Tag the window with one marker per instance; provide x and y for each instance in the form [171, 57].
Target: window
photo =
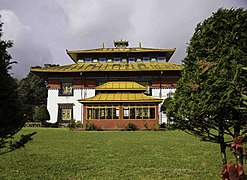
[65, 112]
[66, 89]
[138, 111]
[102, 112]
[146, 59]
[115, 113]
[126, 112]
[161, 59]
[102, 60]
[88, 60]
[116, 59]
[89, 113]
[131, 59]
[145, 113]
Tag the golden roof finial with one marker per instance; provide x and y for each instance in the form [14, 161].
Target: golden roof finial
[121, 43]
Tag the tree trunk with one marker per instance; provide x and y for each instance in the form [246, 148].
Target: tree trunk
[239, 154]
[223, 153]
[240, 157]
[222, 144]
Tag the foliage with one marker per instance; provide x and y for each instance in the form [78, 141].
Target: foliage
[244, 96]
[130, 127]
[165, 104]
[33, 92]
[78, 124]
[41, 113]
[163, 125]
[11, 119]
[145, 124]
[92, 127]
[74, 124]
[209, 91]
[164, 110]
[112, 155]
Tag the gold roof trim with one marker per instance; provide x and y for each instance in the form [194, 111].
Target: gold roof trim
[106, 67]
[121, 97]
[121, 85]
[112, 50]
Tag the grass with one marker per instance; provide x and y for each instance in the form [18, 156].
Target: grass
[64, 154]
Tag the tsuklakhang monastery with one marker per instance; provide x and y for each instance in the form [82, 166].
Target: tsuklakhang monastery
[110, 87]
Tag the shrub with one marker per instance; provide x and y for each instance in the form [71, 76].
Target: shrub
[78, 124]
[163, 125]
[92, 127]
[41, 114]
[72, 124]
[131, 127]
[145, 124]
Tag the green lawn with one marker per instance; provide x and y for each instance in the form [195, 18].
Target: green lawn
[64, 154]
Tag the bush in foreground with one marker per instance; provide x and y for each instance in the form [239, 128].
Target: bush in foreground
[131, 127]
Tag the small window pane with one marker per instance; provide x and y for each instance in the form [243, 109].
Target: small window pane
[108, 113]
[152, 113]
[145, 113]
[96, 113]
[138, 113]
[132, 113]
[102, 113]
[131, 59]
[126, 112]
[89, 113]
[115, 113]
[66, 114]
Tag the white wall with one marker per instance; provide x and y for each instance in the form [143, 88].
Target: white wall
[162, 93]
[53, 101]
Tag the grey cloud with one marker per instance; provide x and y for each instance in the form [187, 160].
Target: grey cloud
[56, 25]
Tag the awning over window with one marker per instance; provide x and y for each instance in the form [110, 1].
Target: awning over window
[121, 85]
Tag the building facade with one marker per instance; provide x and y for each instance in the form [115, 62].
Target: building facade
[76, 88]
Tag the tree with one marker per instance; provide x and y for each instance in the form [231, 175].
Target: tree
[42, 114]
[208, 96]
[164, 108]
[33, 92]
[11, 118]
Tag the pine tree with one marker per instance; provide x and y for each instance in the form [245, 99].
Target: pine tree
[11, 118]
[42, 114]
[208, 96]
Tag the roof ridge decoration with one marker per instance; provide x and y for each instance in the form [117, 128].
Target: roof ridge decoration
[121, 85]
[121, 43]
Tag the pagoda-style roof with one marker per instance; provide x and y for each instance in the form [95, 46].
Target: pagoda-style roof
[74, 54]
[121, 97]
[120, 86]
[110, 67]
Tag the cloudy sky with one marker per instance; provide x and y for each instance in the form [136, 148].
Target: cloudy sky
[43, 29]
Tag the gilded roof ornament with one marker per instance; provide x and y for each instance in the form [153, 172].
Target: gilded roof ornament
[121, 43]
